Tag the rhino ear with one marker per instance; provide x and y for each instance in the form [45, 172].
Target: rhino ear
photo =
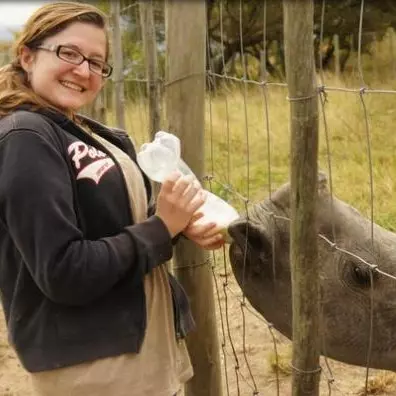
[322, 184]
[281, 197]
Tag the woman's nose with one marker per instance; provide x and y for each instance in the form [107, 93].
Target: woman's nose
[82, 69]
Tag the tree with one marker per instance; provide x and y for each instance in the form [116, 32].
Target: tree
[265, 35]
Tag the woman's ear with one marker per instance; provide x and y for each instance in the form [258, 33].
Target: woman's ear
[26, 57]
[103, 82]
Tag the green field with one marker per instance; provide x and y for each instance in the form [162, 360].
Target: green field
[352, 120]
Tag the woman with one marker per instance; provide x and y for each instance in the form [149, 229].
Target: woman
[89, 305]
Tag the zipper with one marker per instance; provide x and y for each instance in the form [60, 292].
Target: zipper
[98, 144]
[176, 314]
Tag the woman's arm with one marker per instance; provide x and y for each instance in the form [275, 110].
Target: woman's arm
[36, 206]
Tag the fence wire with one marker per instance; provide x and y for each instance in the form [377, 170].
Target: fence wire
[240, 374]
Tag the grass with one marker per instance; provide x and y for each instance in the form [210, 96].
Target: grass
[281, 362]
[383, 383]
[238, 152]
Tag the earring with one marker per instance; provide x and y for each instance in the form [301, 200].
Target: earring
[28, 76]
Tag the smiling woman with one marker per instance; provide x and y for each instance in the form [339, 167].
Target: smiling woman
[89, 304]
[49, 79]
[52, 70]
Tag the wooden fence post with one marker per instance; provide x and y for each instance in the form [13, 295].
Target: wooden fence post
[118, 72]
[150, 49]
[185, 111]
[337, 63]
[303, 97]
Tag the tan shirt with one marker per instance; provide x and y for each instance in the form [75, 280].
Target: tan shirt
[163, 364]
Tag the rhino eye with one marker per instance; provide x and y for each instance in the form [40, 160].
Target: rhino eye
[361, 275]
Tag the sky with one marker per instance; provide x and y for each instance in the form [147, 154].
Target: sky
[13, 15]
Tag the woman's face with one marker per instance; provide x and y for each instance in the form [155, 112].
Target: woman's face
[65, 85]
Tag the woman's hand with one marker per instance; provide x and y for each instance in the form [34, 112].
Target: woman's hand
[178, 199]
[207, 236]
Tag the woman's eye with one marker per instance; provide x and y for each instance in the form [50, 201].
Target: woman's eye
[69, 54]
[96, 65]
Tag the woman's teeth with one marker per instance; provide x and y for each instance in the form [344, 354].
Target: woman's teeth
[73, 86]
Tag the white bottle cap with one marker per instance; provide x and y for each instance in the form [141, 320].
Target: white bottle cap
[218, 211]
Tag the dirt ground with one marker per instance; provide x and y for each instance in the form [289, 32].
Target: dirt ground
[336, 379]
[247, 344]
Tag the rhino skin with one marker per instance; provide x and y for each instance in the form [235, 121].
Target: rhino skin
[263, 273]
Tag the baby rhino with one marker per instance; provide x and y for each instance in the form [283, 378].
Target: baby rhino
[350, 296]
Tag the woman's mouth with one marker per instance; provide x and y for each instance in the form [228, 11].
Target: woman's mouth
[73, 86]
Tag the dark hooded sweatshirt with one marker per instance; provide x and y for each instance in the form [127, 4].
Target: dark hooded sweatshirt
[72, 261]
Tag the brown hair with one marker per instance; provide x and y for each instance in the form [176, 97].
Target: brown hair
[47, 21]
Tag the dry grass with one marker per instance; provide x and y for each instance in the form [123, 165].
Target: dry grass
[281, 361]
[254, 161]
[381, 384]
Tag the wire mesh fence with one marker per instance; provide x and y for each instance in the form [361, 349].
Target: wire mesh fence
[247, 159]
[247, 146]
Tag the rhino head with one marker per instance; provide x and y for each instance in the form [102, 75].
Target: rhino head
[352, 295]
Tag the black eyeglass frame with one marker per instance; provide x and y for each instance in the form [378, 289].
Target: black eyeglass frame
[57, 49]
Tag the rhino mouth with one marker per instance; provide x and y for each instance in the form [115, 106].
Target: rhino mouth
[237, 233]
[250, 243]
[240, 233]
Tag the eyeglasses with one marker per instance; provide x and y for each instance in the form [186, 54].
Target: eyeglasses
[71, 55]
